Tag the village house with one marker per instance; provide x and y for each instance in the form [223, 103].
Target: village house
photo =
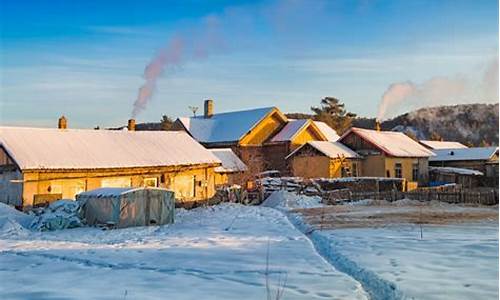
[482, 159]
[389, 154]
[441, 144]
[324, 159]
[261, 137]
[39, 165]
[232, 170]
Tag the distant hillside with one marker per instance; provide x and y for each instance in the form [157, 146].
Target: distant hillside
[472, 124]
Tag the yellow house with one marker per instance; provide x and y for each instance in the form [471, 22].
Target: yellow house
[243, 131]
[232, 171]
[261, 137]
[298, 132]
[389, 154]
[323, 159]
[39, 165]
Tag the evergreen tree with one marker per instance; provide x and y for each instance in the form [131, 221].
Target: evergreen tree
[333, 112]
[166, 122]
[436, 137]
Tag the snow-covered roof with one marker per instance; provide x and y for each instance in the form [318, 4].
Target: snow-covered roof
[330, 149]
[47, 148]
[461, 171]
[224, 127]
[291, 129]
[391, 143]
[442, 144]
[230, 161]
[476, 153]
[327, 131]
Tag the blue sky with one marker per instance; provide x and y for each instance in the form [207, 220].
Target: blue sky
[86, 59]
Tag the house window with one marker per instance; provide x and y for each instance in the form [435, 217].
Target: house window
[414, 172]
[398, 170]
[354, 169]
[151, 182]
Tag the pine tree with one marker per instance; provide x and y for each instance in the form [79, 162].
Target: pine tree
[166, 122]
[436, 137]
[333, 112]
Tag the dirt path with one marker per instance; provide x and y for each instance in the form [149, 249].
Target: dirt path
[383, 214]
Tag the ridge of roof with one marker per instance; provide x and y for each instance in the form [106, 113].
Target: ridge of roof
[326, 147]
[398, 144]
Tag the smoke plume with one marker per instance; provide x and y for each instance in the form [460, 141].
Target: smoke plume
[213, 34]
[197, 43]
[168, 57]
[440, 91]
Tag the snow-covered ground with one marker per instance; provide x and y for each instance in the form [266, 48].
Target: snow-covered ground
[220, 252]
[449, 262]
[209, 253]
[458, 260]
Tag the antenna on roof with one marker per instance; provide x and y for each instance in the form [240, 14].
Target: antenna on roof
[193, 109]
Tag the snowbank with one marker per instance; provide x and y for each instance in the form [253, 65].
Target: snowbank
[284, 200]
[12, 220]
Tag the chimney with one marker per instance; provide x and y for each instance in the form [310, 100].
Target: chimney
[131, 125]
[377, 125]
[62, 123]
[209, 108]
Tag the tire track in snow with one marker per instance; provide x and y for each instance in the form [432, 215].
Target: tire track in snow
[376, 287]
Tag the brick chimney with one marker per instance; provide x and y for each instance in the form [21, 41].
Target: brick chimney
[62, 123]
[209, 108]
[131, 125]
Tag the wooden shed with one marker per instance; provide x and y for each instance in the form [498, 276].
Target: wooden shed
[40, 165]
[322, 159]
[483, 159]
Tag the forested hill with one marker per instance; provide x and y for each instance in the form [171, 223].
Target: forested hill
[471, 124]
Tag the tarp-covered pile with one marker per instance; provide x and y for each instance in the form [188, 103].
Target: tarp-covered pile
[125, 207]
[62, 214]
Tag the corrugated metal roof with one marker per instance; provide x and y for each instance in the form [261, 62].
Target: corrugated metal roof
[47, 148]
[477, 153]
[330, 149]
[442, 144]
[230, 161]
[291, 129]
[224, 127]
[392, 143]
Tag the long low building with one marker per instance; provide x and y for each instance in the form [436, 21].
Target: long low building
[39, 165]
[483, 159]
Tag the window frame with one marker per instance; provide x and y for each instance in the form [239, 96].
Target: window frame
[398, 168]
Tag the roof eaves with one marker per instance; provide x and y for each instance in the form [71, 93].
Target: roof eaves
[271, 111]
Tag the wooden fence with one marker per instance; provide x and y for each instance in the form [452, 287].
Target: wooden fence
[484, 197]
